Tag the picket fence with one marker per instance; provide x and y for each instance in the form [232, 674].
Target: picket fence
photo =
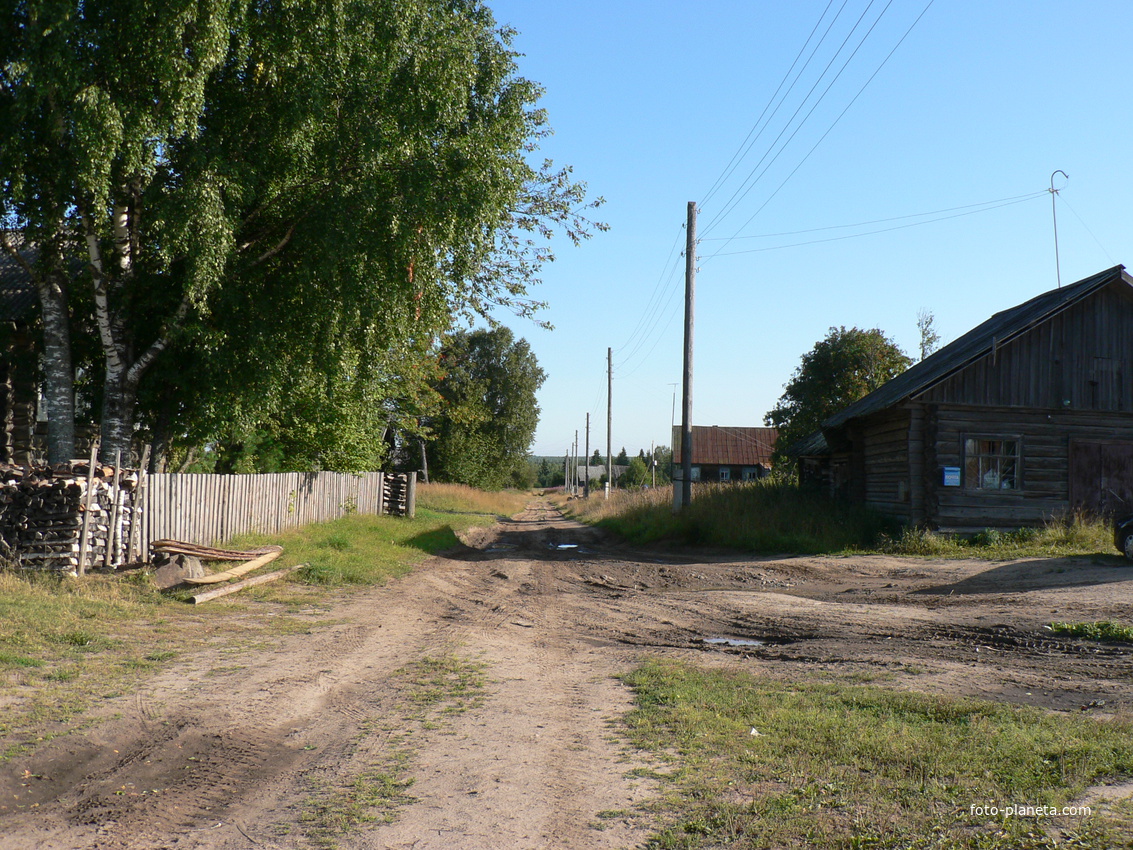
[208, 509]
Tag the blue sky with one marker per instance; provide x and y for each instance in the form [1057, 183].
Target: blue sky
[649, 102]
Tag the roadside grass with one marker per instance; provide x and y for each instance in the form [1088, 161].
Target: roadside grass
[771, 517]
[1104, 630]
[433, 691]
[758, 763]
[66, 643]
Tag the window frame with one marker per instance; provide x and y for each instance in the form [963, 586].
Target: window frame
[999, 456]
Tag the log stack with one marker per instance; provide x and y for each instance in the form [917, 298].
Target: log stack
[42, 510]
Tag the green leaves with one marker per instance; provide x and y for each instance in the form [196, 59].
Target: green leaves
[839, 370]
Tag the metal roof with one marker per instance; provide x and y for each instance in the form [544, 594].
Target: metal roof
[725, 446]
[1000, 328]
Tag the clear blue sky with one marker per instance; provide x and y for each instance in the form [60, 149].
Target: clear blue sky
[649, 102]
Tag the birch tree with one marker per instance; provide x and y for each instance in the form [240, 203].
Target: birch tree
[309, 179]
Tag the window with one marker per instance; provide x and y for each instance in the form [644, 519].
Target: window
[992, 463]
[725, 473]
[751, 473]
[696, 473]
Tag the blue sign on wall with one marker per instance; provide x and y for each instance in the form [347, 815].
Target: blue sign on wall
[951, 476]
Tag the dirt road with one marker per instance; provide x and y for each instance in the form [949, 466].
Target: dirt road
[227, 752]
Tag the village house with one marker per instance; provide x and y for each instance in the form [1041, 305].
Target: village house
[727, 453]
[1026, 417]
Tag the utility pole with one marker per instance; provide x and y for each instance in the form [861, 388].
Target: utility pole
[586, 487]
[574, 489]
[609, 419]
[686, 404]
[653, 462]
[566, 472]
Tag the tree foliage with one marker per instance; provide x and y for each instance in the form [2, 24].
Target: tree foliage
[839, 370]
[488, 412]
[282, 203]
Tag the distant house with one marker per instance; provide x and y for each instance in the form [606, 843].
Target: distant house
[1025, 417]
[19, 307]
[726, 453]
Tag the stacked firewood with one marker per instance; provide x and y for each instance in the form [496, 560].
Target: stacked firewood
[395, 495]
[45, 512]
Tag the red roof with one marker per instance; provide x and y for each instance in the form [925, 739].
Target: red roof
[723, 446]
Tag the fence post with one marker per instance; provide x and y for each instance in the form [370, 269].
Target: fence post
[411, 495]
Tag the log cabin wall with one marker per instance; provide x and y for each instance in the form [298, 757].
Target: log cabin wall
[1060, 394]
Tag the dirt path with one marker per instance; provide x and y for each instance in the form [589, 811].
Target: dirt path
[223, 752]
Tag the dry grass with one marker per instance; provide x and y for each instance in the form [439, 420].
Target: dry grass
[459, 498]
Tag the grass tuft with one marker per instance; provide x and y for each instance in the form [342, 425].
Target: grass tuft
[1102, 631]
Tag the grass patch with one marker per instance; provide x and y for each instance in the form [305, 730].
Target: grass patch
[461, 499]
[855, 766]
[771, 517]
[766, 517]
[1104, 631]
[433, 690]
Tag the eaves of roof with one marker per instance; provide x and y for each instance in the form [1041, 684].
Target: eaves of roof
[999, 329]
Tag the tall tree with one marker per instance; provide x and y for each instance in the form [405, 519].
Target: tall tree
[838, 371]
[489, 412]
[273, 187]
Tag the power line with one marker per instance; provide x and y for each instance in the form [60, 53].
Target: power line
[873, 232]
[1025, 197]
[651, 304]
[841, 114]
[752, 178]
[744, 147]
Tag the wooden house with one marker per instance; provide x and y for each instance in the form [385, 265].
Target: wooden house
[727, 454]
[1024, 418]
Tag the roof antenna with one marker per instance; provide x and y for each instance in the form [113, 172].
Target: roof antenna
[1054, 215]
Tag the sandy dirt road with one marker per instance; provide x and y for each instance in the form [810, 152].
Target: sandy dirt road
[217, 754]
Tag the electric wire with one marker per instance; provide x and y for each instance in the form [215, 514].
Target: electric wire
[873, 232]
[744, 147]
[646, 312]
[752, 179]
[1025, 197]
[660, 310]
[834, 124]
[1083, 223]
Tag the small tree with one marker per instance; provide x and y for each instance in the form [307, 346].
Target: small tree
[930, 339]
[622, 459]
[637, 474]
[839, 370]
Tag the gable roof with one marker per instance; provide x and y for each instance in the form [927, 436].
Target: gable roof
[728, 446]
[1000, 328]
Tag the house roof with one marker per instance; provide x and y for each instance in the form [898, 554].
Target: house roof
[18, 299]
[726, 446]
[999, 329]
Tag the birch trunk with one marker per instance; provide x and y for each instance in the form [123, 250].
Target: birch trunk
[58, 374]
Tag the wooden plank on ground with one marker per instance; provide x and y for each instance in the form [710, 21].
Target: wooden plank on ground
[236, 572]
[246, 583]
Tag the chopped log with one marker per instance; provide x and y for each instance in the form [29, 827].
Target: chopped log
[208, 553]
[177, 570]
[246, 583]
[86, 514]
[236, 572]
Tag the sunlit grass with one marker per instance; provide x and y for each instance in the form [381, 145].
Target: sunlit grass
[771, 517]
[762, 763]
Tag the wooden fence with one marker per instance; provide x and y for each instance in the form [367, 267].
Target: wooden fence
[208, 509]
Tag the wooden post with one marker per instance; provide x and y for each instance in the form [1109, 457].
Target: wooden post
[83, 545]
[609, 419]
[136, 513]
[411, 495]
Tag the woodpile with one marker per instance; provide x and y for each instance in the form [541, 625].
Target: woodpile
[69, 517]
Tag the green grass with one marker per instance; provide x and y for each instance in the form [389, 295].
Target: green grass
[773, 517]
[837, 766]
[1103, 631]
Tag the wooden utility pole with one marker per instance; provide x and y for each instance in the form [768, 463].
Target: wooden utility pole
[609, 420]
[686, 404]
[566, 472]
[586, 486]
[574, 488]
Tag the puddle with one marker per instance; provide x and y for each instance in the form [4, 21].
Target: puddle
[564, 545]
[731, 641]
